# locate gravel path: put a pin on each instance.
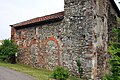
(8, 74)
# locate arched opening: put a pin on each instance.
(34, 52)
(51, 52)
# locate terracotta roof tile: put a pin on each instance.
(40, 19)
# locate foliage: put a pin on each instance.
(80, 69)
(114, 49)
(60, 73)
(8, 50)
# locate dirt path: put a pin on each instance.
(8, 74)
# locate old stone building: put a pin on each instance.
(81, 31)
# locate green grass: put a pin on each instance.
(39, 74)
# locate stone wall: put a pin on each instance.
(93, 21)
(38, 44)
(80, 21)
(82, 34)
(48, 45)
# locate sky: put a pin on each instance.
(15, 11)
(117, 3)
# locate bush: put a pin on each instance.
(60, 73)
(8, 50)
(114, 49)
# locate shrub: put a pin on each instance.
(8, 50)
(60, 73)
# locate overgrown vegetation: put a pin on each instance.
(80, 69)
(114, 49)
(8, 50)
(60, 73)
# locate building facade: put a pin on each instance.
(80, 32)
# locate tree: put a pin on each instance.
(8, 49)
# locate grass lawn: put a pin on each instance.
(40, 74)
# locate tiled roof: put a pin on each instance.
(40, 19)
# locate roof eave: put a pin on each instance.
(47, 18)
(115, 7)
(40, 22)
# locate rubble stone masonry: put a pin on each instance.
(82, 34)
